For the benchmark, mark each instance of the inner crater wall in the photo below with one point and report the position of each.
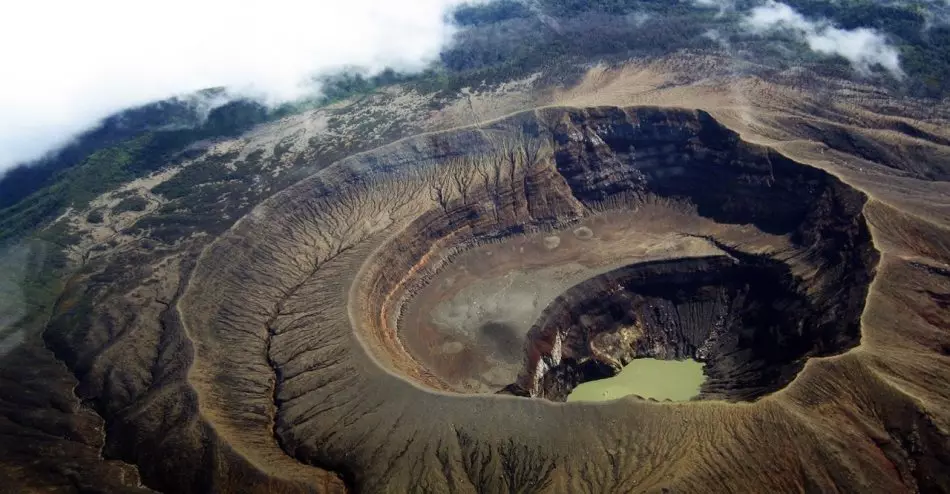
(793, 266)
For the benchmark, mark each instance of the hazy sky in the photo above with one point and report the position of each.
(68, 63)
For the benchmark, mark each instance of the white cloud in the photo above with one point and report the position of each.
(638, 18)
(68, 63)
(723, 5)
(863, 47)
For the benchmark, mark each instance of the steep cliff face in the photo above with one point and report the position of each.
(609, 152)
(747, 319)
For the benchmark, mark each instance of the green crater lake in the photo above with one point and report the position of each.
(676, 380)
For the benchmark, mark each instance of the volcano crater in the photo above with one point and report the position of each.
(591, 241)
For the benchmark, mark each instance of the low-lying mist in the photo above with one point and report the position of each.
(69, 64)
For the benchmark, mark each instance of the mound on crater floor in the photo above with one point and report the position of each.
(409, 319)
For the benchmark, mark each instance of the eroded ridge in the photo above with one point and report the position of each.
(301, 313)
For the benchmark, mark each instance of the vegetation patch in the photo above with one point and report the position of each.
(132, 203)
(95, 216)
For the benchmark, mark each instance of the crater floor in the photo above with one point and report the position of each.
(470, 321)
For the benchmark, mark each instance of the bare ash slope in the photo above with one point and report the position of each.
(269, 360)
